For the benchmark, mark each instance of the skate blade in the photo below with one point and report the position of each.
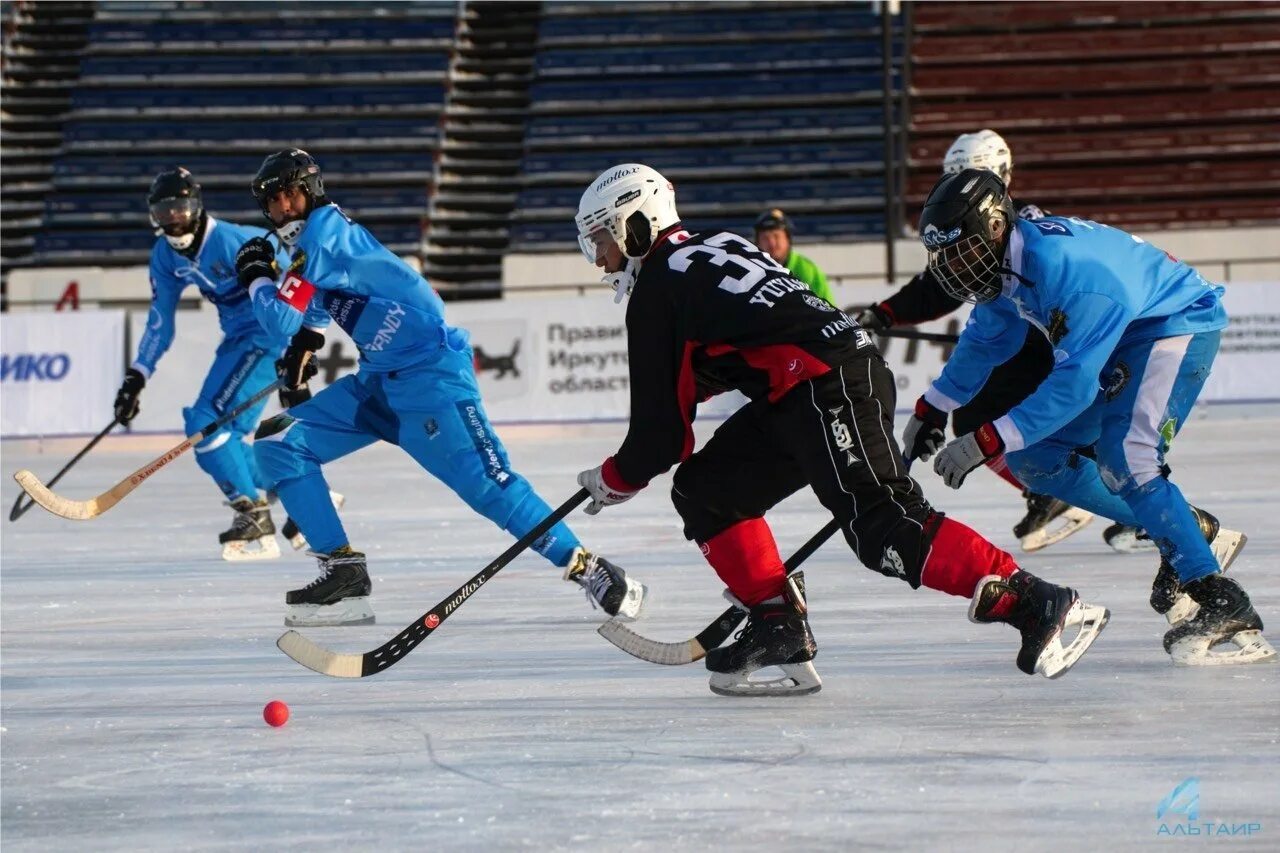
(1128, 542)
(1057, 658)
(1226, 546)
(265, 548)
(349, 611)
(1071, 521)
(633, 602)
(798, 679)
(1244, 647)
(298, 542)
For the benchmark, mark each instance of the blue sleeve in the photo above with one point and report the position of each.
(993, 334)
(158, 336)
(316, 317)
(274, 313)
(1095, 324)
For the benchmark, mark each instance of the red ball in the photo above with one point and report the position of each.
(276, 713)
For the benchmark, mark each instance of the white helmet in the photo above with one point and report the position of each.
(985, 149)
(631, 205)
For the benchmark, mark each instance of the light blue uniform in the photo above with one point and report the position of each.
(1134, 333)
(243, 364)
(416, 388)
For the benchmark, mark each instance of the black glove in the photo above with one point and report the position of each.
(296, 366)
(925, 431)
(874, 318)
(256, 259)
(289, 399)
(127, 407)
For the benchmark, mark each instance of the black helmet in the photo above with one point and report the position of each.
(957, 228)
(176, 207)
(772, 220)
(290, 168)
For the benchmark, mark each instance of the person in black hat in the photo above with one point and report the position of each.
(773, 235)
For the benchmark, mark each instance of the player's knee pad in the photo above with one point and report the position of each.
(1040, 466)
(277, 458)
(705, 510)
(196, 418)
(902, 550)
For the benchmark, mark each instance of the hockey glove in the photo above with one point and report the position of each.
(256, 259)
(127, 407)
(296, 366)
(966, 453)
(874, 318)
(925, 432)
(289, 399)
(606, 486)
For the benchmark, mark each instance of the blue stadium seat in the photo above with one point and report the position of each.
(831, 154)
(720, 88)
(694, 124)
(237, 130)
(261, 65)
(617, 26)
(317, 29)
(752, 194)
(305, 96)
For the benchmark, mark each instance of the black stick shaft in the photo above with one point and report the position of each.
(19, 510)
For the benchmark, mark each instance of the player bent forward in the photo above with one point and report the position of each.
(416, 388)
(710, 312)
(1120, 314)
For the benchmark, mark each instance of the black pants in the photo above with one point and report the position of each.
(1008, 385)
(835, 434)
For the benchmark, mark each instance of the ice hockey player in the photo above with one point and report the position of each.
(196, 248)
(710, 312)
(1048, 520)
(1134, 333)
(415, 388)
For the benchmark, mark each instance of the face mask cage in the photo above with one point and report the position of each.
(175, 216)
(968, 269)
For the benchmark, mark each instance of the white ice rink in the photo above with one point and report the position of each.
(136, 665)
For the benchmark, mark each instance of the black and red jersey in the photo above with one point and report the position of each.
(710, 313)
(923, 299)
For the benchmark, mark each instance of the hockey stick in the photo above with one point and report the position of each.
(676, 654)
(341, 665)
(82, 510)
(20, 510)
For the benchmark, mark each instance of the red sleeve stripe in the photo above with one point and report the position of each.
(297, 291)
(687, 397)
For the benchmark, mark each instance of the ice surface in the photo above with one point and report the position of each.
(136, 665)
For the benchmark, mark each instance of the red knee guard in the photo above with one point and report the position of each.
(1001, 469)
(959, 558)
(746, 558)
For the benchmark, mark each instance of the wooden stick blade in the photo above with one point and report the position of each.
(320, 659)
(667, 654)
(60, 506)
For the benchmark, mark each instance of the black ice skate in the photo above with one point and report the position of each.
(1042, 612)
(1048, 521)
(606, 585)
(252, 535)
(1226, 545)
(295, 536)
(776, 634)
(340, 596)
(1126, 539)
(1225, 619)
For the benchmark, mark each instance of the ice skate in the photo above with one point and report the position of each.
(1225, 631)
(339, 596)
(252, 535)
(1126, 539)
(607, 586)
(776, 634)
(1226, 545)
(1042, 612)
(290, 529)
(1048, 521)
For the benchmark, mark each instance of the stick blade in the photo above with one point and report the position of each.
(319, 659)
(667, 654)
(59, 506)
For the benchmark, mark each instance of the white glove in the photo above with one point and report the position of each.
(967, 452)
(597, 482)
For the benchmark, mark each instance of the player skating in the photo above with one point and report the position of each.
(711, 312)
(1134, 333)
(196, 248)
(415, 388)
(1048, 520)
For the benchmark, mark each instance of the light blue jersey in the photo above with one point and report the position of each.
(339, 270)
(213, 271)
(1090, 289)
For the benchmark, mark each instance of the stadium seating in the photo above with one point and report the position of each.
(1138, 114)
(743, 105)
